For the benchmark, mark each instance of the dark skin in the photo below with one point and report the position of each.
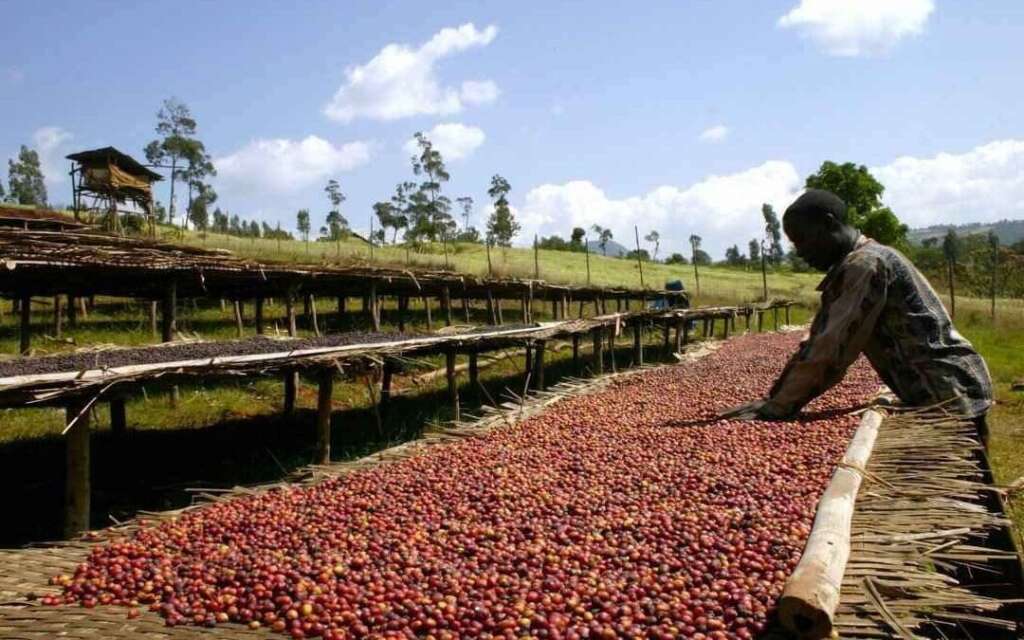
(822, 241)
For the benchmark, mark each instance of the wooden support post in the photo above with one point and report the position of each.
(554, 308)
(118, 416)
(497, 307)
(465, 309)
(341, 307)
(597, 306)
(77, 490)
(576, 353)
(598, 351)
(152, 318)
(611, 349)
(291, 383)
(58, 318)
(787, 315)
(580, 315)
(258, 312)
(385, 386)
(760, 320)
(168, 313)
(526, 310)
(528, 362)
(73, 313)
(84, 309)
(680, 327)
(747, 316)
(403, 304)
(239, 329)
(311, 301)
(538, 365)
(446, 305)
(725, 328)
(25, 332)
(289, 310)
(638, 344)
(492, 314)
(374, 307)
(325, 391)
(426, 307)
(666, 330)
(453, 387)
(474, 372)
(775, 313)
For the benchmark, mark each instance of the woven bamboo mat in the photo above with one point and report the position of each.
(930, 550)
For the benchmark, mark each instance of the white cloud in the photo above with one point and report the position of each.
(716, 133)
(49, 143)
(858, 27)
(401, 81)
(723, 210)
(454, 140)
(984, 184)
(280, 165)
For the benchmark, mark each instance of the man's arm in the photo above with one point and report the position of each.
(838, 335)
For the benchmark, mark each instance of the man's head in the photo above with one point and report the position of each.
(816, 225)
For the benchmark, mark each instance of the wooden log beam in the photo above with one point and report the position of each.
(325, 391)
(118, 416)
(77, 482)
(811, 594)
(453, 385)
(25, 330)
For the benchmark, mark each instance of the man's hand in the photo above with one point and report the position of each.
(755, 410)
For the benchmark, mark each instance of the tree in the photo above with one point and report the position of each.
(25, 179)
(862, 194)
(993, 243)
(235, 225)
(468, 233)
(733, 257)
(501, 225)
(676, 258)
(603, 237)
(951, 251)
(337, 225)
(3, 196)
(773, 231)
(176, 128)
(654, 237)
(642, 255)
(383, 210)
(401, 212)
(695, 241)
(302, 224)
(431, 209)
(554, 242)
(754, 249)
(576, 239)
(220, 221)
(199, 207)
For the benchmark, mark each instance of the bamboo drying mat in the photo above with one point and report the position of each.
(927, 527)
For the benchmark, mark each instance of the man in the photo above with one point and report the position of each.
(873, 301)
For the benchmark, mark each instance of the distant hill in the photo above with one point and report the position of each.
(1008, 231)
(613, 249)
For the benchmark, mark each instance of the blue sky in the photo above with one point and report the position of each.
(679, 116)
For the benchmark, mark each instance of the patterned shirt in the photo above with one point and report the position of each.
(877, 303)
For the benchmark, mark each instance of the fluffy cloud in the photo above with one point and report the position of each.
(982, 185)
(280, 165)
(858, 27)
(50, 143)
(723, 210)
(454, 140)
(401, 81)
(716, 133)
